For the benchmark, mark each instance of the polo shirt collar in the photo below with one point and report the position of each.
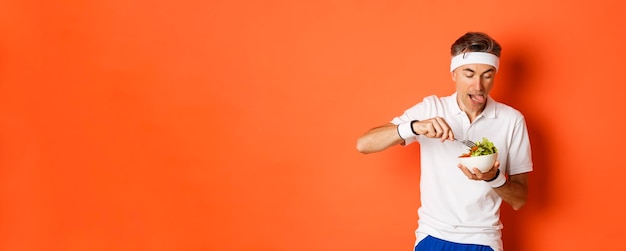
(489, 112)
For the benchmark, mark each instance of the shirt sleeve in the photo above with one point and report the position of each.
(419, 111)
(520, 156)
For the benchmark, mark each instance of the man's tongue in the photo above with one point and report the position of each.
(478, 98)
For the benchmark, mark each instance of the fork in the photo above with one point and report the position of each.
(466, 142)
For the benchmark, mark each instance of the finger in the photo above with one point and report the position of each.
(446, 130)
(430, 130)
(450, 135)
(496, 167)
(479, 175)
(466, 171)
(438, 128)
(492, 170)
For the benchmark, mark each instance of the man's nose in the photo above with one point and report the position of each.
(478, 83)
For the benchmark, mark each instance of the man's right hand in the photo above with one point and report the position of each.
(436, 127)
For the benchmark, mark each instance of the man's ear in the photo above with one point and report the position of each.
(453, 75)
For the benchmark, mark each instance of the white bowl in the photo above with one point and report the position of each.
(483, 163)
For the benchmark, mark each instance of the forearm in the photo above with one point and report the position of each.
(514, 191)
(378, 139)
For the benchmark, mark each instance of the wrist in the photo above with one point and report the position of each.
(406, 131)
(413, 129)
(497, 181)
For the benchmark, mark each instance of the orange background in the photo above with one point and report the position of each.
(231, 125)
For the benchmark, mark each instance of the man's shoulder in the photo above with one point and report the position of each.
(438, 99)
(438, 104)
(507, 110)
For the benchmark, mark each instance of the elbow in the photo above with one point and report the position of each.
(517, 206)
(361, 147)
(365, 146)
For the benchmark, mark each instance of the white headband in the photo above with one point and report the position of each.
(474, 58)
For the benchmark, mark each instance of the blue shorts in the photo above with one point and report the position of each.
(434, 244)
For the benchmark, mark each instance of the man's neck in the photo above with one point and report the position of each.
(472, 114)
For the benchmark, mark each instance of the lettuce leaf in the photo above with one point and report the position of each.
(484, 147)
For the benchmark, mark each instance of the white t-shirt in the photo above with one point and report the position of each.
(453, 207)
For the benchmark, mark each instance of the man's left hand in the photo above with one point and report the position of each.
(477, 175)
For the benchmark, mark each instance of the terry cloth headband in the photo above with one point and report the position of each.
(474, 58)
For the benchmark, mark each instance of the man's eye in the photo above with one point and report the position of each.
(469, 76)
(487, 77)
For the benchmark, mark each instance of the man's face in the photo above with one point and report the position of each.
(473, 84)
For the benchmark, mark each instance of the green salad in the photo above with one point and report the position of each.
(484, 147)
